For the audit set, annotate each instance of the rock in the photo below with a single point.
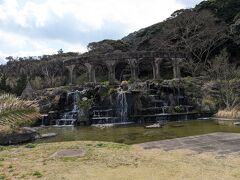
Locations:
(102, 126)
(157, 125)
(206, 108)
(48, 135)
(18, 137)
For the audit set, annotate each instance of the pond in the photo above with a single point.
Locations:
(133, 134)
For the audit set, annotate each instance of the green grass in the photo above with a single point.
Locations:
(111, 145)
(2, 177)
(30, 145)
(37, 174)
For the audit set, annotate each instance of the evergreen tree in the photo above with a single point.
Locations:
(20, 85)
(3, 84)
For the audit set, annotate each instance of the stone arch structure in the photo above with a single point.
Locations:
(70, 69)
(166, 69)
(101, 72)
(80, 74)
(122, 70)
(115, 63)
(75, 71)
(176, 61)
(146, 70)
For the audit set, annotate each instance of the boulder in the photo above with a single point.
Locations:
(20, 137)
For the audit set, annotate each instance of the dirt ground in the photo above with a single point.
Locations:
(108, 161)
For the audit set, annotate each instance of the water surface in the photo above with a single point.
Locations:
(133, 134)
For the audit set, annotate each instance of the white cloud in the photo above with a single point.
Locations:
(24, 46)
(89, 16)
(135, 13)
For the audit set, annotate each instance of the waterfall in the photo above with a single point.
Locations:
(123, 106)
(163, 110)
(69, 118)
(76, 98)
(187, 111)
(44, 118)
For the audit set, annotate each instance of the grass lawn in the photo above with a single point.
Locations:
(101, 160)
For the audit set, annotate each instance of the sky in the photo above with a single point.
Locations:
(37, 27)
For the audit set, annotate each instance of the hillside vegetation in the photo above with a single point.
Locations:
(203, 33)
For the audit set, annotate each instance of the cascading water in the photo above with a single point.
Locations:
(123, 106)
(76, 98)
(69, 118)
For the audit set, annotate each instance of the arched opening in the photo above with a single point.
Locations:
(185, 72)
(166, 69)
(101, 72)
(145, 70)
(80, 74)
(123, 71)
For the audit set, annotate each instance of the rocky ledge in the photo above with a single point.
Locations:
(22, 136)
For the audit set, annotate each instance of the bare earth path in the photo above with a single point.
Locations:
(207, 157)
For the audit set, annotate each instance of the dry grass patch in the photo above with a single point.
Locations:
(105, 161)
(15, 113)
(230, 114)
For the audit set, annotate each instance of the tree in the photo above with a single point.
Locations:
(107, 46)
(227, 78)
(198, 34)
(60, 51)
(235, 29)
(50, 70)
(3, 84)
(20, 84)
(10, 59)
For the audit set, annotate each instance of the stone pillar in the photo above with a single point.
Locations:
(134, 68)
(91, 72)
(156, 68)
(176, 67)
(111, 71)
(70, 69)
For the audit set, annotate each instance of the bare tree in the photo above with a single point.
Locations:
(196, 33)
(50, 70)
(235, 30)
(227, 78)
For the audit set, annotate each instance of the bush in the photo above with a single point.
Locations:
(85, 103)
(179, 109)
(15, 113)
(105, 83)
(112, 91)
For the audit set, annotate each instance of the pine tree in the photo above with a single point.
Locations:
(3, 84)
(20, 85)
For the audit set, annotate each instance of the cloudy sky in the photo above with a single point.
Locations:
(36, 27)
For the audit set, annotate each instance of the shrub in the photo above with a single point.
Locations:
(85, 103)
(15, 113)
(105, 83)
(179, 109)
(232, 114)
(112, 91)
